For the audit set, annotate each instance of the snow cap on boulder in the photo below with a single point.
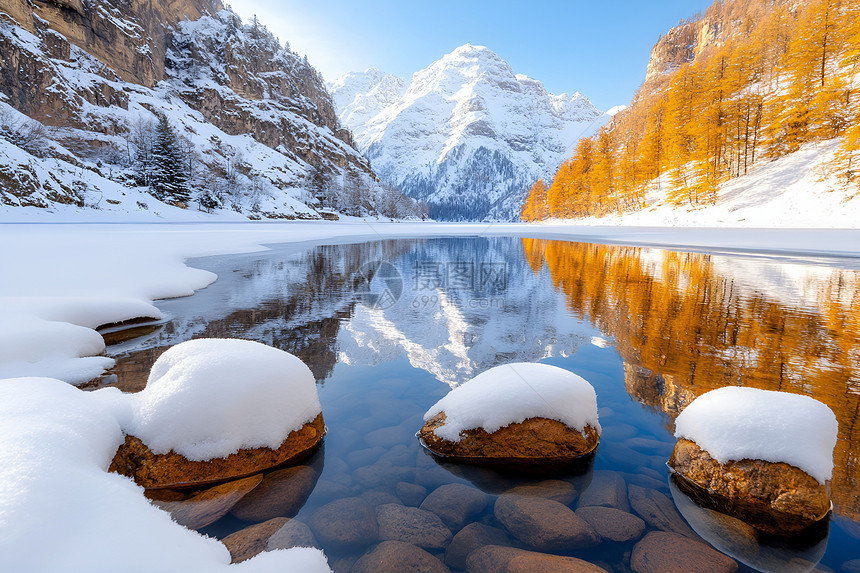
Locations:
(209, 398)
(734, 423)
(511, 393)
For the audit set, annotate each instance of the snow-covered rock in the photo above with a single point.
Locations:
(523, 416)
(511, 393)
(217, 409)
(55, 446)
(209, 398)
(735, 423)
(468, 135)
(760, 456)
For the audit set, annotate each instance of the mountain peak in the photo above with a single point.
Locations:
(468, 136)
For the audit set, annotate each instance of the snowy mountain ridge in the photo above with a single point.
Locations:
(468, 135)
(254, 121)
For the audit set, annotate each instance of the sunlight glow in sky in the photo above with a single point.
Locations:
(598, 48)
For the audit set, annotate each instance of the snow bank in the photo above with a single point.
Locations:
(208, 398)
(56, 443)
(511, 393)
(734, 423)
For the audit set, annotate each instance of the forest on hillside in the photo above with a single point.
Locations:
(780, 74)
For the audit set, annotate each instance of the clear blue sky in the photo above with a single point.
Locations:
(599, 48)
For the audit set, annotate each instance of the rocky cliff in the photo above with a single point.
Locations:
(90, 70)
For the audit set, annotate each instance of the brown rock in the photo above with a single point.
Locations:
(210, 505)
(554, 489)
(612, 524)
(455, 503)
(658, 511)
(470, 538)
(292, 534)
(376, 497)
(495, 559)
(773, 497)
(250, 541)
(544, 524)
(607, 489)
(412, 525)
(344, 524)
(665, 552)
(397, 557)
(410, 493)
(135, 460)
(533, 442)
(282, 493)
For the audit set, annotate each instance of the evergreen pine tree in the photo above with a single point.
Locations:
(169, 181)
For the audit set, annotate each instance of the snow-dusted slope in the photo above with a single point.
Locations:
(359, 96)
(257, 127)
(468, 136)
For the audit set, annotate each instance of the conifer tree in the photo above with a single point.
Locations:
(169, 180)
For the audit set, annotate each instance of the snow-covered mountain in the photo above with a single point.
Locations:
(468, 135)
(82, 85)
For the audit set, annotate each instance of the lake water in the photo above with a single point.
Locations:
(389, 327)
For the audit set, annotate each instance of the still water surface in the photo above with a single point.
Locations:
(389, 327)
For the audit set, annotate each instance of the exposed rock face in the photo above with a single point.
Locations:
(128, 37)
(773, 497)
(535, 442)
(92, 69)
(150, 470)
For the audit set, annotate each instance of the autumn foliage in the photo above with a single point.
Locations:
(779, 74)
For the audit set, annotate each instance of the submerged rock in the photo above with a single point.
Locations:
(172, 470)
(455, 503)
(472, 537)
(535, 443)
(612, 524)
(496, 559)
(773, 497)
(292, 534)
(544, 524)
(345, 524)
(665, 552)
(554, 489)
(282, 493)
(210, 505)
(250, 541)
(397, 556)
(412, 525)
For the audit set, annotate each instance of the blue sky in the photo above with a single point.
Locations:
(599, 48)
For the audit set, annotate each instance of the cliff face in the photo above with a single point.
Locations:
(681, 45)
(93, 69)
(128, 36)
